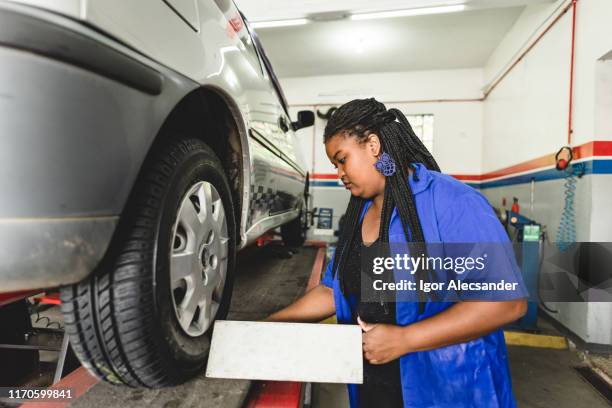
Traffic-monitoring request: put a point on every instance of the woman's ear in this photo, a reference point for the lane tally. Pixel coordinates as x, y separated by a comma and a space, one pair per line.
373, 144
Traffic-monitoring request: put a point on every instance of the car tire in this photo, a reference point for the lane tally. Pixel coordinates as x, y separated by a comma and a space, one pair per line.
129, 322
293, 233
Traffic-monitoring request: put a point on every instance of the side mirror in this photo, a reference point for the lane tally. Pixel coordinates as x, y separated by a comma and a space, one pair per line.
305, 119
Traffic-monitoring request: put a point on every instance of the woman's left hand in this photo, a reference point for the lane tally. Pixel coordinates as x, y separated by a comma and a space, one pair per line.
382, 342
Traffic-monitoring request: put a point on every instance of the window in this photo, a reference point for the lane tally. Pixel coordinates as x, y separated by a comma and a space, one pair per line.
423, 128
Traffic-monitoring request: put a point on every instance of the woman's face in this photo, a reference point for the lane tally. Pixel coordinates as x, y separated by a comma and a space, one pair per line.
355, 164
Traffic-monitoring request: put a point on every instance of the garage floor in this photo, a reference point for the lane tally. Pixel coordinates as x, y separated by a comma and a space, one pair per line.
266, 282
547, 378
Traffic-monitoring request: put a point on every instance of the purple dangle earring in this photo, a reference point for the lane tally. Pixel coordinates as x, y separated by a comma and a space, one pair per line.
385, 164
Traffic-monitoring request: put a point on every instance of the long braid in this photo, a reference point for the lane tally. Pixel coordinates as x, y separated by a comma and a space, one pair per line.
359, 118
406, 207
351, 229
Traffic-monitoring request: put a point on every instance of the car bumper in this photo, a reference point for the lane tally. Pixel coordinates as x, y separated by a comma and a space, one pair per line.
44, 253
79, 112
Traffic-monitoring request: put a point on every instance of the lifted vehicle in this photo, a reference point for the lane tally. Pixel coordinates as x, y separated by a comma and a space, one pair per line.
144, 142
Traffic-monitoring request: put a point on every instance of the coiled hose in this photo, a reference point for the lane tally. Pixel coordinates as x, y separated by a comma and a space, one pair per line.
566, 234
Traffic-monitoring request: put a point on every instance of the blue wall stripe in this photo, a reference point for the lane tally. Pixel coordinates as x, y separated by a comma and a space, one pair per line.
325, 183
541, 175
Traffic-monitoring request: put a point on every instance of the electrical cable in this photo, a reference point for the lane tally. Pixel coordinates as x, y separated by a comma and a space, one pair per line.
35, 310
541, 262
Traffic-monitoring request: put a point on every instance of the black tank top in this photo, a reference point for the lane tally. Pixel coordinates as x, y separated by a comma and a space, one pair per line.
381, 382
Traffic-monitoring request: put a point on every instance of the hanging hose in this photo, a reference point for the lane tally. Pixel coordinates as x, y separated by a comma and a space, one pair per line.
566, 234
543, 241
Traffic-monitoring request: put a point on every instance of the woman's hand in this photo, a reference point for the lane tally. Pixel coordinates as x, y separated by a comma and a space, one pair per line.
382, 342
317, 304
460, 323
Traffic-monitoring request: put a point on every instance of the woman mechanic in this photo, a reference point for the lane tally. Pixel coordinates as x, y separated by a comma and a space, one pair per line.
419, 353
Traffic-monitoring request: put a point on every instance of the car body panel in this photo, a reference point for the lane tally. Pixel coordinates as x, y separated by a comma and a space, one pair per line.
80, 157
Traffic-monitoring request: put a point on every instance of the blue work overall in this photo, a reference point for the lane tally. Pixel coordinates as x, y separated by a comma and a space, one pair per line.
471, 374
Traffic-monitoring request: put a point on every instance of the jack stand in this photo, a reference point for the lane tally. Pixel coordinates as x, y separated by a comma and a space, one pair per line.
280, 251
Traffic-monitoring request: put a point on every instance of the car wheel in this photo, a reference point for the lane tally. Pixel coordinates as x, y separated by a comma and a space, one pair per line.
293, 233
145, 316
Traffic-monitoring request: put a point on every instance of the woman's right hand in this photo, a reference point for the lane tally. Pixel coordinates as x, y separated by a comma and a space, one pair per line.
317, 304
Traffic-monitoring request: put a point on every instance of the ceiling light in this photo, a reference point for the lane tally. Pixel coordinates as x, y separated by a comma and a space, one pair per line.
328, 16
278, 23
409, 12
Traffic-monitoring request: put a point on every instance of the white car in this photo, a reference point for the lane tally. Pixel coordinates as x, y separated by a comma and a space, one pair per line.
142, 143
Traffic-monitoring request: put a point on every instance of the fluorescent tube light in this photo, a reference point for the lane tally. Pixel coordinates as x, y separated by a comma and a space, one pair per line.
409, 12
279, 23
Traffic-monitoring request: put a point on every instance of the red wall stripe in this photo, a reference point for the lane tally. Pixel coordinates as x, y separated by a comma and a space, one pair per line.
325, 176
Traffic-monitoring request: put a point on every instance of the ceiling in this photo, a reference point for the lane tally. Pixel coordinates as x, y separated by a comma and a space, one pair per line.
442, 41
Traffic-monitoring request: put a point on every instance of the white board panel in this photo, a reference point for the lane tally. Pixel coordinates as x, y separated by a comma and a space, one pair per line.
273, 351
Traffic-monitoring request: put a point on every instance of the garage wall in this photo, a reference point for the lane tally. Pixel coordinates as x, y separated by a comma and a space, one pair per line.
526, 114
452, 96
525, 122
503, 143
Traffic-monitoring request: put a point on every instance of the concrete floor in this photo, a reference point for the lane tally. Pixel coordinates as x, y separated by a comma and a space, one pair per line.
544, 378
264, 283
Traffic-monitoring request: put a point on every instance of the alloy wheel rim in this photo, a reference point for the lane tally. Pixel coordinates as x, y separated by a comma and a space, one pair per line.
198, 258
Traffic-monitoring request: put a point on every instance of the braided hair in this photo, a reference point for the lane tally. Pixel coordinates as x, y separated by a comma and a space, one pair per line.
359, 118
